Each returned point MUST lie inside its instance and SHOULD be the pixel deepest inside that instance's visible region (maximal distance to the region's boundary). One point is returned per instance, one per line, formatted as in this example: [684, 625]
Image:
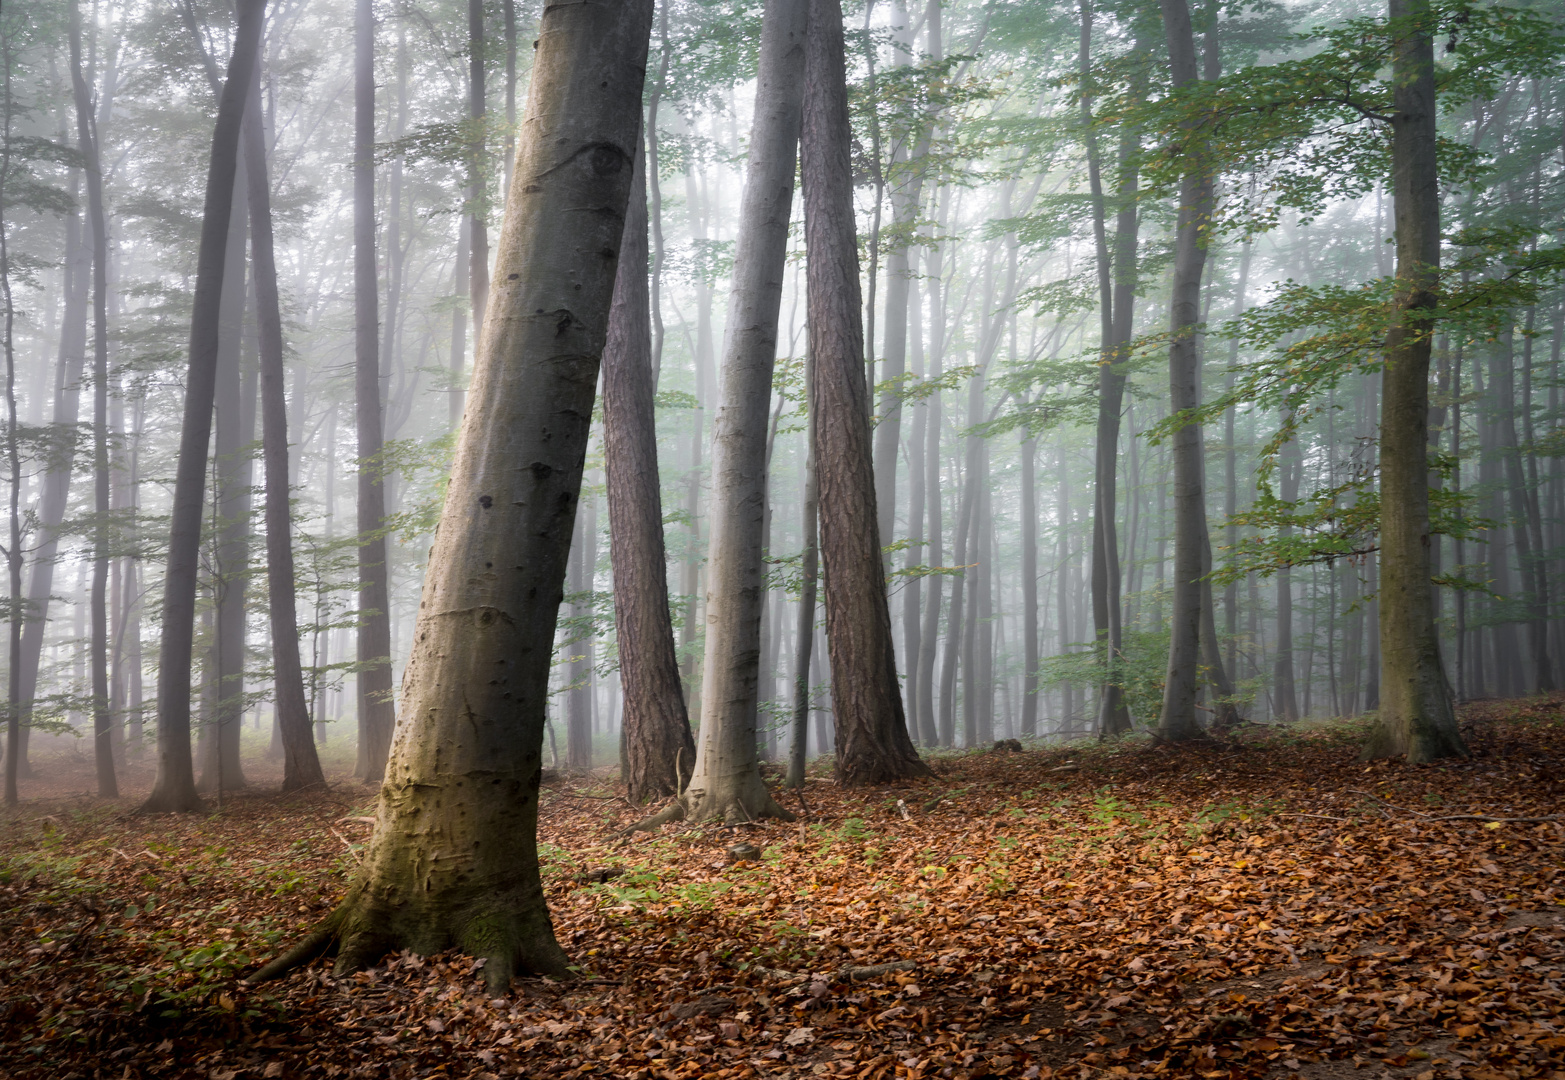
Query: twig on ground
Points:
[348, 844]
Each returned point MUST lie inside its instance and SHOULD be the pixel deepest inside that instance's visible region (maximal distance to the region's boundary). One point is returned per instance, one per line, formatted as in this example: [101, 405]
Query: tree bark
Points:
[301, 766]
[871, 733]
[804, 640]
[477, 185]
[1416, 715]
[659, 750]
[174, 788]
[1178, 721]
[376, 711]
[1029, 585]
[453, 859]
[726, 784]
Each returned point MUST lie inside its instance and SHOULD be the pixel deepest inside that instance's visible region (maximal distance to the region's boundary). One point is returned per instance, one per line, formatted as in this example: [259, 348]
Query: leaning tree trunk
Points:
[659, 750]
[1178, 721]
[1416, 716]
[301, 765]
[87, 141]
[726, 784]
[175, 786]
[454, 857]
[872, 740]
[376, 712]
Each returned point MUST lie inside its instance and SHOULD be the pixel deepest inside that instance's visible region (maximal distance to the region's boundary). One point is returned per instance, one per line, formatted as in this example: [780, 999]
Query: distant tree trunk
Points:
[87, 143]
[1416, 716]
[578, 672]
[804, 631]
[477, 185]
[871, 733]
[1029, 585]
[376, 711]
[659, 750]
[453, 860]
[458, 360]
[301, 766]
[929, 697]
[13, 551]
[1502, 382]
[175, 789]
[1178, 721]
[727, 781]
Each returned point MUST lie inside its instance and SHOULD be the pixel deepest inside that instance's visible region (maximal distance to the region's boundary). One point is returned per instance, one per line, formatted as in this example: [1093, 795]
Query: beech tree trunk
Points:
[174, 788]
[804, 640]
[453, 860]
[871, 734]
[1178, 721]
[301, 765]
[726, 784]
[376, 713]
[659, 750]
[1416, 715]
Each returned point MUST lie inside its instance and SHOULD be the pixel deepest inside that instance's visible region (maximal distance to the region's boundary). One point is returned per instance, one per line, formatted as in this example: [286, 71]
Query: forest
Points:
[1088, 598]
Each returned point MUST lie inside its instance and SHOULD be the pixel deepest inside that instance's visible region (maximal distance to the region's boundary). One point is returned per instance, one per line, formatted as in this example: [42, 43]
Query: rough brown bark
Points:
[453, 860]
[175, 789]
[659, 750]
[871, 733]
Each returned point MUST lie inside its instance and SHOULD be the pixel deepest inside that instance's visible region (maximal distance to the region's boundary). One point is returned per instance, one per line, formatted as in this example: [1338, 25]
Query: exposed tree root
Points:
[707, 806]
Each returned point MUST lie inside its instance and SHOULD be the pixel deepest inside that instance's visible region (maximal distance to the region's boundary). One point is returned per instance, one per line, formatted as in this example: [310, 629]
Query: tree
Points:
[301, 765]
[174, 789]
[726, 783]
[659, 750]
[453, 859]
[871, 732]
[376, 712]
[1416, 715]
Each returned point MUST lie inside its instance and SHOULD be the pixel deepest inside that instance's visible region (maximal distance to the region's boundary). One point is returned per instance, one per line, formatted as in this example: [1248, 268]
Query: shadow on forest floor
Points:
[1263, 905]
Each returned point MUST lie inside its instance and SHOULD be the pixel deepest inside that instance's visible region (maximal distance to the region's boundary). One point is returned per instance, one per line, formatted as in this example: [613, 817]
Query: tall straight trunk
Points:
[1502, 384]
[13, 549]
[578, 700]
[1062, 630]
[509, 151]
[376, 712]
[457, 362]
[301, 766]
[87, 143]
[1285, 700]
[1178, 721]
[727, 783]
[871, 733]
[955, 618]
[1416, 717]
[929, 696]
[453, 860]
[984, 612]
[1231, 472]
[477, 184]
[804, 658]
[174, 788]
[913, 584]
[1029, 585]
[659, 750]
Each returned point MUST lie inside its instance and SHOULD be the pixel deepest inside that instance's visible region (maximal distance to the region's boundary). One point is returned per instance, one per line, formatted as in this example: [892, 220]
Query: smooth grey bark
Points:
[453, 860]
[98, 649]
[301, 765]
[872, 742]
[1416, 715]
[578, 672]
[174, 788]
[13, 550]
[726, 783]
[1526, 538]
[1178, 719]
[1285, 700]
[1029, 523]
[659, 749]
[376, 711]
[477, 189]
[804, 630]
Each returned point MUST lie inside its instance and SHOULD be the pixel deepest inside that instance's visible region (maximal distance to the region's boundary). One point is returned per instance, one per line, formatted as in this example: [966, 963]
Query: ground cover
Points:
[1266, 905]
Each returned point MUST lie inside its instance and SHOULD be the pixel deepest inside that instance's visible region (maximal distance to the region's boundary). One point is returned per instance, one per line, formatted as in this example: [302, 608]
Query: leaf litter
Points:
[1263, 905]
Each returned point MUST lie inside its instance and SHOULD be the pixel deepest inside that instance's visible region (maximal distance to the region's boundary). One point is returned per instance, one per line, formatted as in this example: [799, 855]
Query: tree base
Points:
[733, 808]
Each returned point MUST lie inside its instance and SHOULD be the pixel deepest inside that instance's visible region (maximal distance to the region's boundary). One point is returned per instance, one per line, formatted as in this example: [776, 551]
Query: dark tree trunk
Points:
[301, 766]
[871, 733]
[175, 788]
[659, 750]
[454, 860]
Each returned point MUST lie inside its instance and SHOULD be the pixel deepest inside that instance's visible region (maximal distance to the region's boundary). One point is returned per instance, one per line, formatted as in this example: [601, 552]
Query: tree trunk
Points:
[175, 789]
[1416, 716]
[578, 672]
[659, 750]
[301, 766]
[87, 143]
[871, 733]
[929, 633]
[726, 784]
[376, 711]
[804, 640]
[453, 860]
[477, 186]
[1029, 586]
[1178, 721]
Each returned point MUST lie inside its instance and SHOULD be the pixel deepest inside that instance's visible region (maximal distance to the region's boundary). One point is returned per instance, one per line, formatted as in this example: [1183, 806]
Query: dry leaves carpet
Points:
[1263, 906]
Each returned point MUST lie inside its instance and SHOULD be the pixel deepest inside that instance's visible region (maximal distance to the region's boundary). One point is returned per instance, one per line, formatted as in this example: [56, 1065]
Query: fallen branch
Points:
[1462, 817]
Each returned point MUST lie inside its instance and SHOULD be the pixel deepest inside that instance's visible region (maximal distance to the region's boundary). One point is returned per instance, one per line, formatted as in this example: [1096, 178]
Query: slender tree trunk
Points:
[453, 860]
[375, 709]
[1029, 585]
[659, 750]
[175, 789]
[578, 673]
[871, 734]
[13, 551]
[301, 766]
[929, 696]
[804, 630]
[1416, 717]
[727, 783]
[1178, 721]
[477, 184]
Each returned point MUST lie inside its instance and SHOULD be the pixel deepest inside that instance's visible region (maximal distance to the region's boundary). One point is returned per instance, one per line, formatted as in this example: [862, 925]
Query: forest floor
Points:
[1266, 905]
